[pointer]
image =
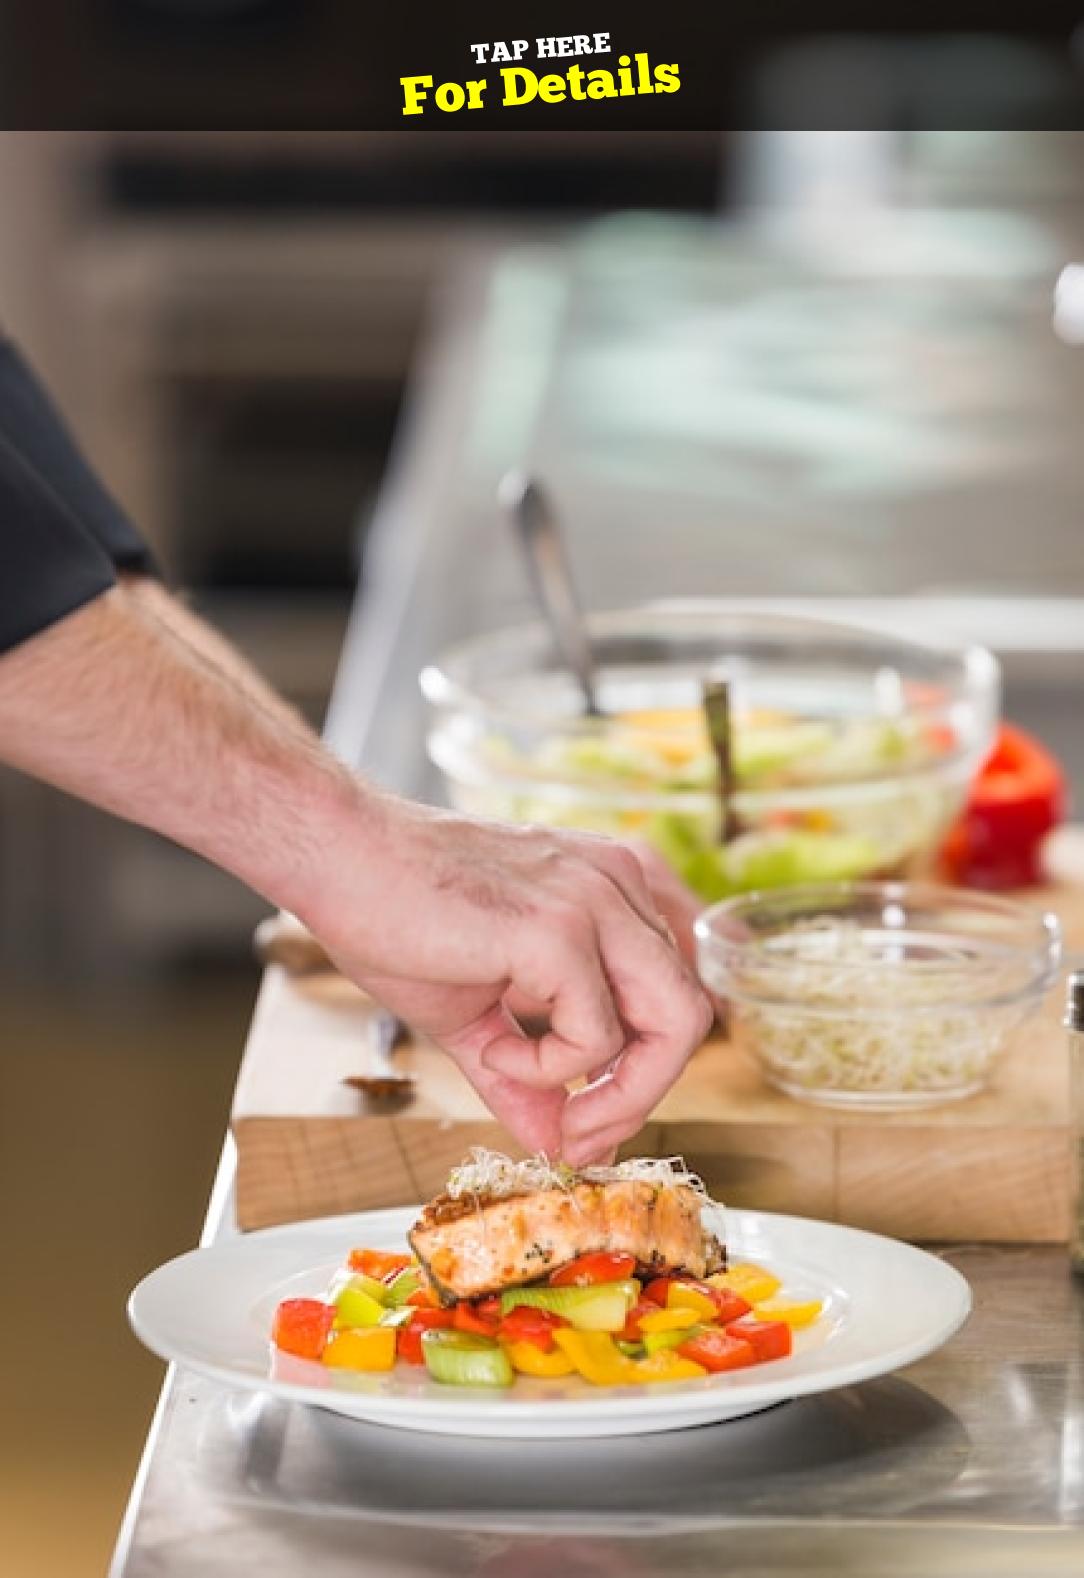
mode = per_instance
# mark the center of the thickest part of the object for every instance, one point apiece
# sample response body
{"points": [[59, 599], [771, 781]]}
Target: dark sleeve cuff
{"points": [[49, 566], [62, 537]]}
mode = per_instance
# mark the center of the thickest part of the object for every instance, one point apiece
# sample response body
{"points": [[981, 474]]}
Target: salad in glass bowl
{"points": [[850, 749]]}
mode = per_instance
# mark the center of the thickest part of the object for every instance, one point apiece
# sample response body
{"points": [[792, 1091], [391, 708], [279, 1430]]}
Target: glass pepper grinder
{"points": [[1074, 1023]]}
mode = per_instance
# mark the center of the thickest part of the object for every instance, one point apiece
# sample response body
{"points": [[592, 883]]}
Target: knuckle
{"points": [[571, 926], [626, 862], [548, 854], [554, 1060], [611, 1037], [701, 1016]]}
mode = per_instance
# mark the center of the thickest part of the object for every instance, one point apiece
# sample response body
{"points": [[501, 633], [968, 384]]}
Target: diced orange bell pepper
{"points": [[378, 1263], [754, 1283], [596, 1357], [792, 1312], [366, 1348], [531, 1360]]}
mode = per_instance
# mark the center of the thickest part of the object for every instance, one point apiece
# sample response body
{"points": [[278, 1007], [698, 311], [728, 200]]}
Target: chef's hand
{"points": [[443, 919], [678, 904]]}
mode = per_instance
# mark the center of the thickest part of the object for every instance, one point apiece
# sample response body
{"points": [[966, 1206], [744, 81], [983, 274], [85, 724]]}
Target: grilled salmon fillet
{"points": [[472, 1245]]}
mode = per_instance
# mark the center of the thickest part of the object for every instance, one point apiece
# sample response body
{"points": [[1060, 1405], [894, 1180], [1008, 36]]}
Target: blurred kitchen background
{"points": [[234, 324]]}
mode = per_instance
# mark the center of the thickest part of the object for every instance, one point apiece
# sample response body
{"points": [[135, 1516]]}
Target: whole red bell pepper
{"points": [[1018, 797]]}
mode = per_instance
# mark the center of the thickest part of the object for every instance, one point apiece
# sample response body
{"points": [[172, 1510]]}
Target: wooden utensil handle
{"points": [[280, 939]]}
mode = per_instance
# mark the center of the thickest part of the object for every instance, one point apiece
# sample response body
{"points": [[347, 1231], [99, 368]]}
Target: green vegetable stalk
{"points": [[459, 1358]]}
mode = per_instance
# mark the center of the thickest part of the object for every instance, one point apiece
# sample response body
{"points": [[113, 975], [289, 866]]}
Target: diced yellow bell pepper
{"points": [[753, 1283], [676, 734], [666, 1365], [680, 1297], [529, 1359], [674, 1318], [596, 1357], [362, 1348], [792, 1312]]}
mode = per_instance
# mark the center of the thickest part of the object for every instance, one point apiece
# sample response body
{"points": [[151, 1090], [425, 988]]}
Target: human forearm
{"points": [[172, 612], [115, 707], [446, 920]]}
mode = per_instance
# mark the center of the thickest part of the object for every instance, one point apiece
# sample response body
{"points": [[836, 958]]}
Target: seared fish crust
{"points": [[472, 1246]]}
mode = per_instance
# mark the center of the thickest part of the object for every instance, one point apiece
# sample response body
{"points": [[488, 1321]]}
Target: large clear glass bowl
{"points": [[877, 994], [852, 749]]}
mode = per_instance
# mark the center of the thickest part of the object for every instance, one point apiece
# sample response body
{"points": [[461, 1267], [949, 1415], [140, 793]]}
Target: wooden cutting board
{"points": [[993, 1168]]}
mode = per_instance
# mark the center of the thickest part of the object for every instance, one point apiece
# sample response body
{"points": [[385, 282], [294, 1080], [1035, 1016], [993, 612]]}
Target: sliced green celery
{"points": [[355, 1306], [602, 1307], [402, 1286], [459, 1358], [655, 1341]]}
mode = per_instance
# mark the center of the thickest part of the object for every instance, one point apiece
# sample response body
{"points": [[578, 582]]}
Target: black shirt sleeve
{"points": [[62, 537]]}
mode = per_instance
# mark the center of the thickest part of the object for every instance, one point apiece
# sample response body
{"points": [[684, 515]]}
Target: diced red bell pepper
{"points": [[408, 1338], [656, 1290], [378, 1263], [467, 1317], [728, 1305], [590, 1269], [537, 1327], [489, 1307], [717, 1350], [1018, 797], [422, 1299], [769, 1339], [301, 1327], [631, 1330]]}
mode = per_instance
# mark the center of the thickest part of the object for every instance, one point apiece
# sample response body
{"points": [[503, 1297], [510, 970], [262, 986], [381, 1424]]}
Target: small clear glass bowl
{"points": [[877, 995]]}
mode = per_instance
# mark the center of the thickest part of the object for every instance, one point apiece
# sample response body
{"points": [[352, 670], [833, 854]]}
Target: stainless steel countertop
{"points": [[971, 1462]]}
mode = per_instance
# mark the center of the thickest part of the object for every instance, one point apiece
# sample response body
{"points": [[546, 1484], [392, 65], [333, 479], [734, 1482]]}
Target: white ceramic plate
{"points": [[886, 1305]]}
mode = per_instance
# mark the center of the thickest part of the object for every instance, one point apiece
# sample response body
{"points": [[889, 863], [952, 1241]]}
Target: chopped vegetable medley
{"points": [[591, 1317], [805, 813]]}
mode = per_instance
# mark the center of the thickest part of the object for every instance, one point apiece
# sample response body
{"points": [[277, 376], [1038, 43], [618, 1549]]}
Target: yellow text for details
{"points": [[521, 85]]}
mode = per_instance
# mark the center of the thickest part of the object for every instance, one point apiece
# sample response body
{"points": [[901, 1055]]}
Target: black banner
{"points": [[587, 65]]}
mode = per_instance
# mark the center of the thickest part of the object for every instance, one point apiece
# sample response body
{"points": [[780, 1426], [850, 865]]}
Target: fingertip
{"points": [[595, 1150]]}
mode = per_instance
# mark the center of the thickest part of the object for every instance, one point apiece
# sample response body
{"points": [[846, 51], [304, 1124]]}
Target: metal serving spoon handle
{"points": [[532, 516]]}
